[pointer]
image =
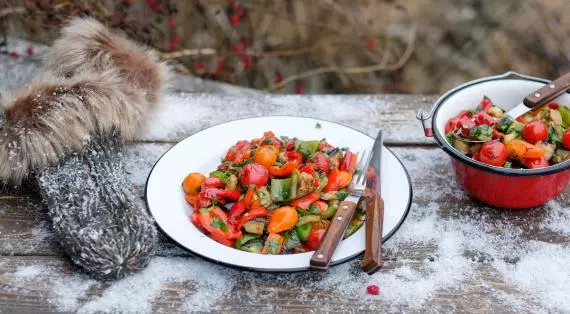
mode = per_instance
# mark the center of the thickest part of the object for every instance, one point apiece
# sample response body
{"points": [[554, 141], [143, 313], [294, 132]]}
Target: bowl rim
{"points": [[454, 153]]}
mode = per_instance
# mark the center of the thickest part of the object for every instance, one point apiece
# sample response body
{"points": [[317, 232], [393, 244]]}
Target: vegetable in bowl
{"points": [[273, 195], [538, 139]]}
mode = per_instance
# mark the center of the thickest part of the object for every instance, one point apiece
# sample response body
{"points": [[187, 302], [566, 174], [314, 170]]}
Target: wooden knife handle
{"points": [[547, 93], [323, 255], [372, 260]]}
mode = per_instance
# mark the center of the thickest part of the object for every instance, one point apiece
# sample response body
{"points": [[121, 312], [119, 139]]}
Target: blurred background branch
{"points": [[325, 46]]}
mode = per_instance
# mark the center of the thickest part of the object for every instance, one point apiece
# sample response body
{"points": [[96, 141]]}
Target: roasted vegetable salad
{"points": [[538, 139], [273, 195]]}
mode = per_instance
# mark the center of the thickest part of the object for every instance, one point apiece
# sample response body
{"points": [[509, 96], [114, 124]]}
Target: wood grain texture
{"points": [[26, 239]]}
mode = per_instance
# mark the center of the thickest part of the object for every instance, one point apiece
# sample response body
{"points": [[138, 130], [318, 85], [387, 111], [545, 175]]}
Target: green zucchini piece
{"points": [[253, 226], [331, 209], [303, 231]]}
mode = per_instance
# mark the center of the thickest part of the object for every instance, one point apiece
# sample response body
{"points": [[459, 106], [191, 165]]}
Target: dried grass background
{"points": [[327, 46]]}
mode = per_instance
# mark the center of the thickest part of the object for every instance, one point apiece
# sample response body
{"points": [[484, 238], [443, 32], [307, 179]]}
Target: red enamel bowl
{"points": [[496, 186]]}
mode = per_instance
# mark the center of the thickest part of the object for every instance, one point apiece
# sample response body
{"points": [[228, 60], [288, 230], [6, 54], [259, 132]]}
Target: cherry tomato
{"points": [[451, 125], [322, 162], [282, 219], [290, 146], [349, 162], [566, 139], [536, 163], [266, 155], [553, 105], [193, 183], [254, 174], [314, 239], [493, 153], [535, 131], [337, 180]]}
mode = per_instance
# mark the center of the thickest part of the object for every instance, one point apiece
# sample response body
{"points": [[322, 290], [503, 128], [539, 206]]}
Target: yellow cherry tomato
{"points": [[193, 183], [266, 155], [282, 219]]}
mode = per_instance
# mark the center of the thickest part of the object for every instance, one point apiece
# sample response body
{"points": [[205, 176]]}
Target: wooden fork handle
{"points": [[548, 92], [323, 255]]}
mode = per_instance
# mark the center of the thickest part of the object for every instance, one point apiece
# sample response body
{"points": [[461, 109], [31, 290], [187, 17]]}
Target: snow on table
{"points": [[451, 254]]}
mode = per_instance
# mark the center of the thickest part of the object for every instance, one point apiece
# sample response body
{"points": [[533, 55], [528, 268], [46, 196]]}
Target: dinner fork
{"points": [[323, 255]]}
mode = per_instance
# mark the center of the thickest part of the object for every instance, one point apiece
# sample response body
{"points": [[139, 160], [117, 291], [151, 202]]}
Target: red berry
{"points": [[278, 78], [174, 42], [14, 54], [200, 68], [372, 43], [171, 21], [373, 289], [30, 50], [234, 19], [247, 63], [299, 89]]}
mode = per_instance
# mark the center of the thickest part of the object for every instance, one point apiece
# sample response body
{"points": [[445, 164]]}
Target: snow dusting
{"points": [[449, 245]]}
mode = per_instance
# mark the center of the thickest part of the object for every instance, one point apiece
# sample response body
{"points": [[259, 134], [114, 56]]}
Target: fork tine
{"points": [[363, 171]]}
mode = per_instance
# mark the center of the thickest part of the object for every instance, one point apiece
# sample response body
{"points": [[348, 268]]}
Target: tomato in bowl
{"points": [[482, 172]]}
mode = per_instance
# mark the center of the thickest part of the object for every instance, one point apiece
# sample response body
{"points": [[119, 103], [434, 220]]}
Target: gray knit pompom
{"points": [[101, 224]]}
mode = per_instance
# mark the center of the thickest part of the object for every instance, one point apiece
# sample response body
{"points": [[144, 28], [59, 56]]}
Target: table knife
{"points": [[372, 260], [536, 99]]}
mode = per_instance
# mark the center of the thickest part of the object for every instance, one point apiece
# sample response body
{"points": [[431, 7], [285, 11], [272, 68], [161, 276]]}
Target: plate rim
{"points": [[348, 258]]}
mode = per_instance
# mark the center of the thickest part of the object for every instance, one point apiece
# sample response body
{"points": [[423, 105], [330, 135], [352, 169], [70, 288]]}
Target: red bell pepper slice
{"points": [[322, 205], [220, 196], [237, 210], [306, 201], [284, 170], [349, 162], [337, 180], [322, 162], [290, 146], [195, 219], [219, 236], [257, 212], [483, 118], [214, 182], [485, 103]]}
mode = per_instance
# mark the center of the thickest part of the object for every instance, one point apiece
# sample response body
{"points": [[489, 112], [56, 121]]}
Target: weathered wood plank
{"points": [[250, 292], [185, 114]]}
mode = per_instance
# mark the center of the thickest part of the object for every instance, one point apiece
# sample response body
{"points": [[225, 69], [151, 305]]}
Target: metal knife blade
{"points": [[516, 112], [373, 175]]}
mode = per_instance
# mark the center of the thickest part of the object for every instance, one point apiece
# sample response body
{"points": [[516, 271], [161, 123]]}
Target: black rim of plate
{"points": [[451, 151], [348, 258]]}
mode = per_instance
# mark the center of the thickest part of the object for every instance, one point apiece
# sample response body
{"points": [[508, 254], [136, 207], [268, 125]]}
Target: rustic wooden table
{"points": [[452, 253]]}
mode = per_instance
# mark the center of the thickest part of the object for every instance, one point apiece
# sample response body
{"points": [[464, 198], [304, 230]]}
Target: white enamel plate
{"points": [[202, 152]]}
